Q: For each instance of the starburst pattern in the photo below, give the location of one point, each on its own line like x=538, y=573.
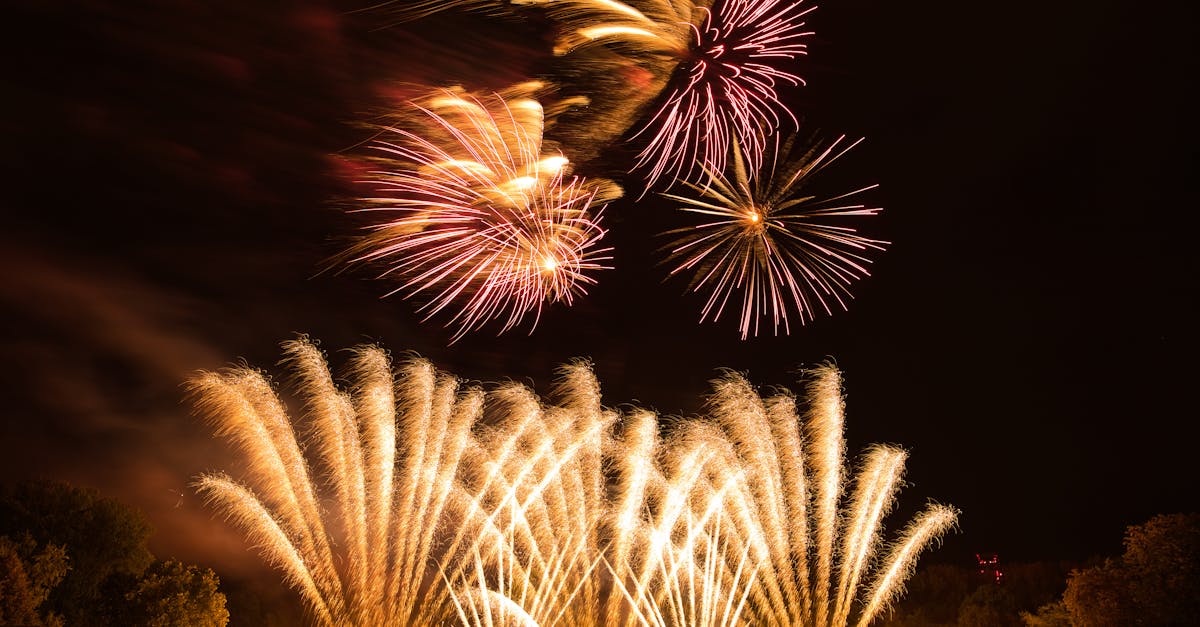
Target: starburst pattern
x=411, y=500
x=479, y=217
x=725, y=89
x=767, y=245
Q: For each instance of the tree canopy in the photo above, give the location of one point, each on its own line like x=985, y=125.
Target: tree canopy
x=27, y=575
x=1155, y=582
x=172, y=594
x=69, y=555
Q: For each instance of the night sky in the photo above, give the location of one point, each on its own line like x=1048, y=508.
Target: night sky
x=171, y=184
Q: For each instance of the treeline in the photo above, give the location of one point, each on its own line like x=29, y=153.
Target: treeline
x=69, y=556
x=1156, y=583
x=949, y=595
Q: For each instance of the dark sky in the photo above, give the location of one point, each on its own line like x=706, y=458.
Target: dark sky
x=1029, y=336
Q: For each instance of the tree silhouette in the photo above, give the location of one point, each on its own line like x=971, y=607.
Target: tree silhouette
x=93, y=567
x=27, y=575
x=1155, y=582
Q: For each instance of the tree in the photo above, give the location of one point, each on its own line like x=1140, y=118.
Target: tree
x=1156, y=581
x=1053, y=614
x=991, y=605
x=1162, y=558
x=938, y=591
x=112, y=576
x=1099, y=597
x=1036, y=584
x=932, y=597
x=26, y=578
x=172, y=594
x=102, y=536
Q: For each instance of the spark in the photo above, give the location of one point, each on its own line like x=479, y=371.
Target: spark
x=410, y=499
x=479, y=219
x=768, y=243
x=728, y=59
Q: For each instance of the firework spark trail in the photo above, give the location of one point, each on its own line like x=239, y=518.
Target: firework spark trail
x=926, y=529
x=480, y=218
x=534, y=495
x=772, y=490
x=245, y=510
x=726, y=90
x=785, y=433
x=529, y=495
x=709, y=571
x=529, y=501
x=633, y=455
x=424, y=410
x=826, y=423
x=769, y=243
x=873, y=497
x=638, y=27
x=246, y=411
x=743, y=416
x=294, y=534
x=652, y=587
x=334, y=434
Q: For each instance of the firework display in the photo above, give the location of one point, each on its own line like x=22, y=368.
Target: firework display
x=413, y=500
x=767, y=242
x=491, y=225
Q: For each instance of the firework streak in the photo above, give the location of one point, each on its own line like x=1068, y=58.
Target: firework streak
x=411, y=500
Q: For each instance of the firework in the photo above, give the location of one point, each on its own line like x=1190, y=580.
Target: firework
x=648, y=27
x=422, y=503
x=638, y=27
x=748, y=527
x=725, y=89
x=622, y=55
x=768, y=244
x=478, y=216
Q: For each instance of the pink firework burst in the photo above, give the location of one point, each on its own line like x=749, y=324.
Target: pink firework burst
x=480, y=221
x=768, y=243
x=726, y=89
